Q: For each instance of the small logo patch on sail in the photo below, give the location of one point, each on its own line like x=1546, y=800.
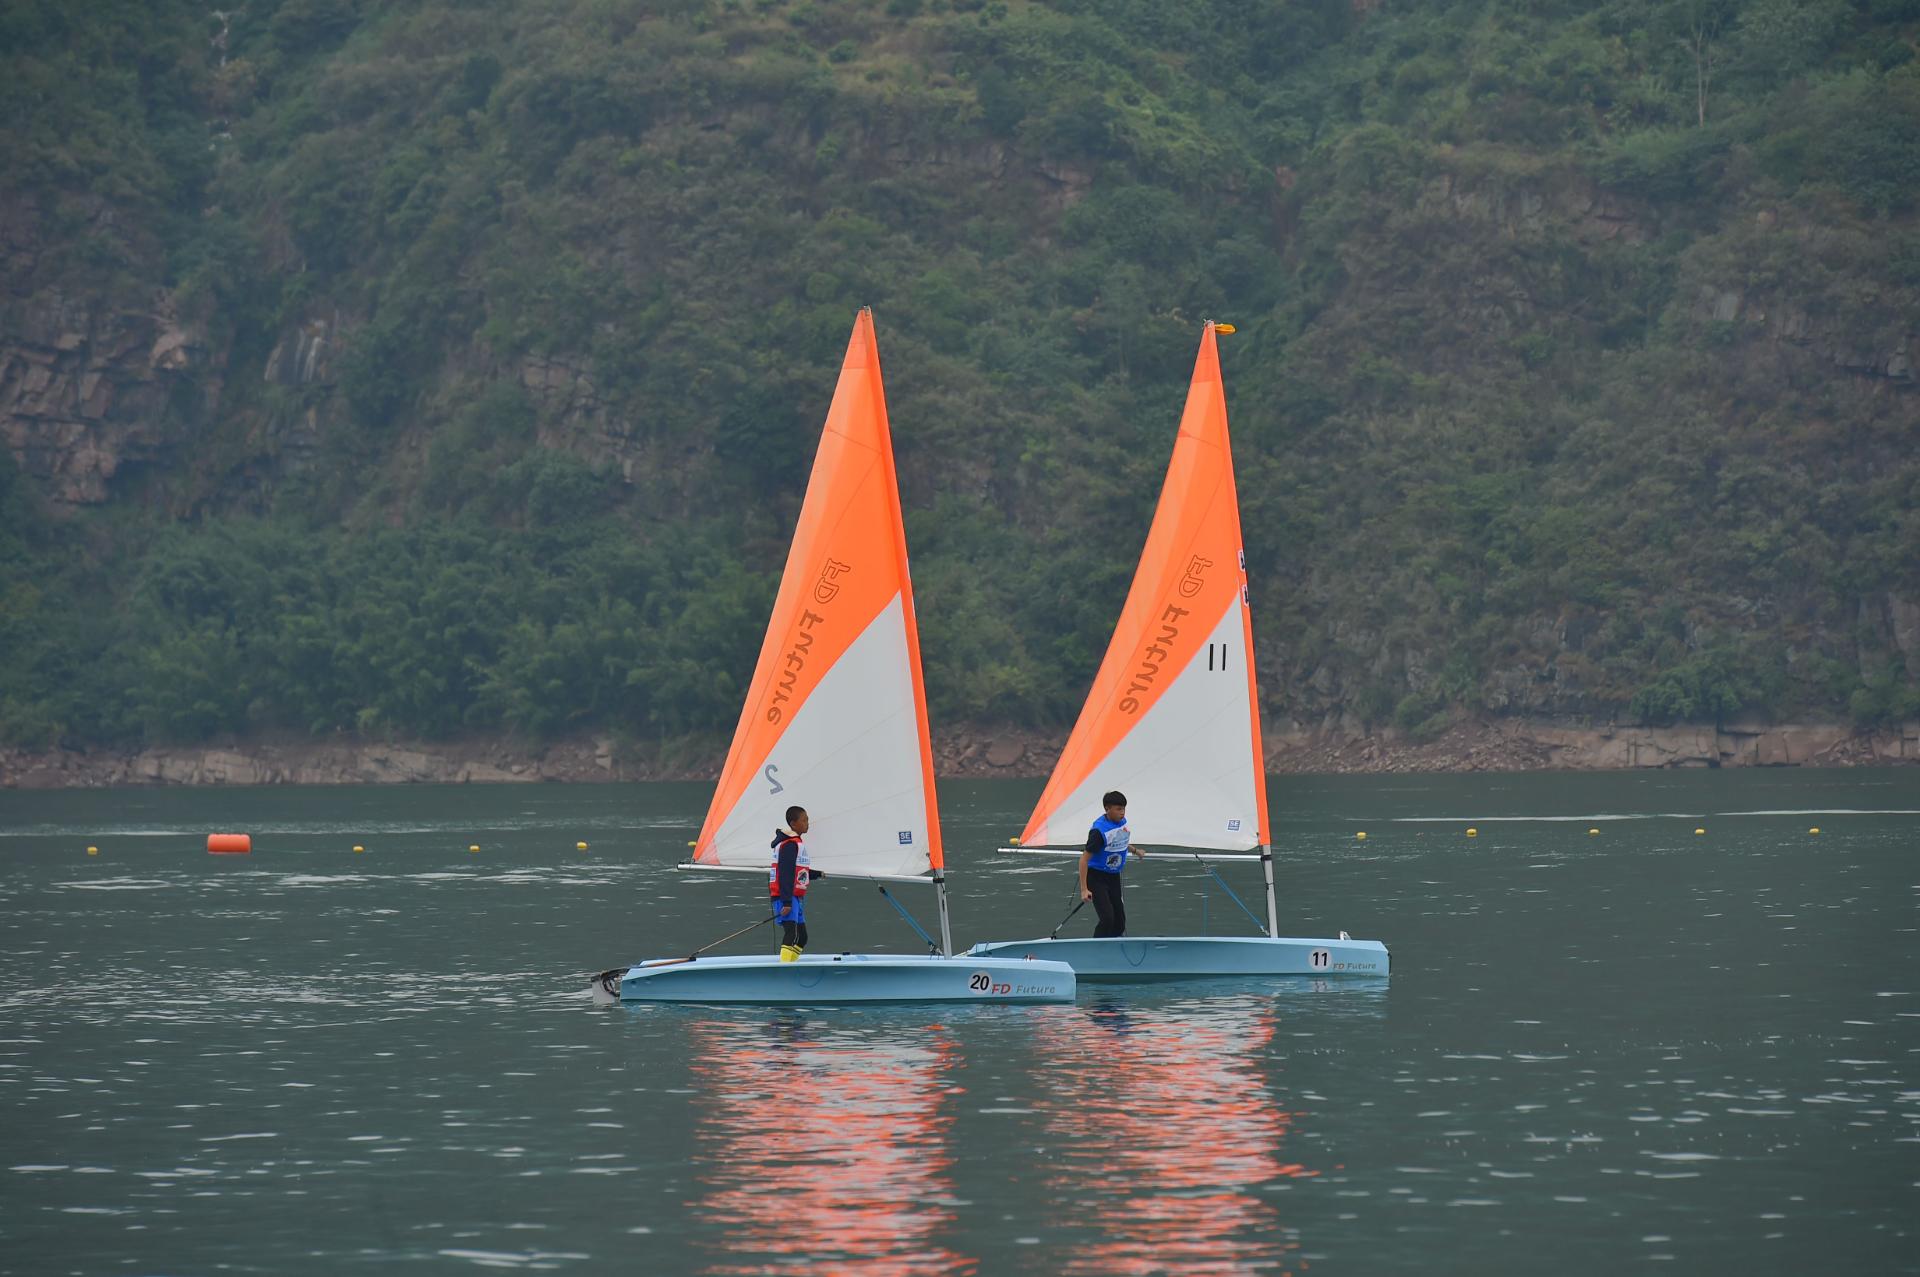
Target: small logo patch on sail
x=906, y=837
x=824, y=589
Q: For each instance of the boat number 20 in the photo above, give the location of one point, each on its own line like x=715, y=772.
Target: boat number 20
x=1320, y=959
x=981, y=982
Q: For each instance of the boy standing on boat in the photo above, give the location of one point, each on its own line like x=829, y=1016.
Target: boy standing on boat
x=787, y=880
x=1108, y=844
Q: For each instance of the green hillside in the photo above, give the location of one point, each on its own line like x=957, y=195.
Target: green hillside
x=463, y=361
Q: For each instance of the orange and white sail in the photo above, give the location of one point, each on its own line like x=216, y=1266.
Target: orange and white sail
x=835, y=719
x=1173, y=720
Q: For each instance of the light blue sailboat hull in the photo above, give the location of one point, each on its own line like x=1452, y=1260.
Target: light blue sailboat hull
x=1131, y=959
x=826, y=979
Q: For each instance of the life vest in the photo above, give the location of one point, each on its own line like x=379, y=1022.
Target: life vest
x=800, y=874
x=1114, y=859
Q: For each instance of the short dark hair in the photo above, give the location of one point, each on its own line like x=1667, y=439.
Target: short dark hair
x=1114, y=798
x=793, y=812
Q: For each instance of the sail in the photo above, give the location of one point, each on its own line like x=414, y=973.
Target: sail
x=835, y=718
x=1172, y=720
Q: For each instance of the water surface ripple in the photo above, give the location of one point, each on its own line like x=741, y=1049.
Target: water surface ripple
x=1642, y=1046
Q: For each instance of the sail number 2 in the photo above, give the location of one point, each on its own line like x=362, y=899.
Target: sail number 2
x=778, y=788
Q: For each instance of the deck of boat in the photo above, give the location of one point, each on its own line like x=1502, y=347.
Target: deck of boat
x=1141, y=958
x=824, y=979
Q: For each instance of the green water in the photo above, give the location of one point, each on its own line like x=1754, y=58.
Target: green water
x=1638, y=1049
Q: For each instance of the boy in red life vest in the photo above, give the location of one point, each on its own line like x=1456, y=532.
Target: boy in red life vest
x=787, y=880
x=1108, y=843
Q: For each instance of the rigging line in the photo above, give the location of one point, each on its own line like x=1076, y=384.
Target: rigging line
x=1230, y=891
x=932, y=946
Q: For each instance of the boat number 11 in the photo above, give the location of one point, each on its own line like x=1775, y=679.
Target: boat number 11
x=1320, y=959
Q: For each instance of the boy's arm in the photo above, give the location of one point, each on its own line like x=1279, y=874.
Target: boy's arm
x=784, y=870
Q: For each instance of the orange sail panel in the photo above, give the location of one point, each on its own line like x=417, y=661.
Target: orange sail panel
x=1172, y=720
x=835, y=718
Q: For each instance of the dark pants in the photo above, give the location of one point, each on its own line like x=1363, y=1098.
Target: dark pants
x=793, y=926
x=1106, y=902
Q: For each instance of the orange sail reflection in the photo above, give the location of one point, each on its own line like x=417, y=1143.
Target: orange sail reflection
x=1166, y=1131
x=824, y=1148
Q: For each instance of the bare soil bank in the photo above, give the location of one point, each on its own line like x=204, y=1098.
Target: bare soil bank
x=968, y=750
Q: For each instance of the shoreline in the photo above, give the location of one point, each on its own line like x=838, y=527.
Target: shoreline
x=965, y=751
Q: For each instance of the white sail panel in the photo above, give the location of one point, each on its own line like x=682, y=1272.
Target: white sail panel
x=1187, y=767
x=851, y=757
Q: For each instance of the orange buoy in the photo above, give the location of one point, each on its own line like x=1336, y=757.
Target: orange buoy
x=229, y=844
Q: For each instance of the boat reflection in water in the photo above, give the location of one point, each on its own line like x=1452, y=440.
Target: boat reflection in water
x=823, y=1148
x=1165, y=1133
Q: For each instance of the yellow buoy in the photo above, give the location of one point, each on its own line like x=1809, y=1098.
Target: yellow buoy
x=1699, y=831
x=358, y=847
x=1592, y=832
x=1362, y=835
x=1225, y=328
x=1472, y=832
x=475, y=847
x=579, y=846
x=93, y=851
x=1814, y=830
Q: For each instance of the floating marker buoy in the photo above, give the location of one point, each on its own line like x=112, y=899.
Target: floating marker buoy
x=1699, y=831
x=229, y=844
x=1814, y=830
x=1362, y=835
x=1472, y=832
x=579, y=846
x=1225, y=328
x=93, y=851
x=1592, y=832
x=358, y=847
x=475, y=847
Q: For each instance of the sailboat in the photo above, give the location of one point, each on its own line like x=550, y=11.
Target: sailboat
x=1173, y=721
x=835, y=721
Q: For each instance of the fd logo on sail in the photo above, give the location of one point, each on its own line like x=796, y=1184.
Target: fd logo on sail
x=1190, y=583
x=824, y=590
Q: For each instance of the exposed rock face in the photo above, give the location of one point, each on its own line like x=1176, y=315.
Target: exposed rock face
x=84, y=391
x=328, y=763
x=303, y=355
x=1534, y=745
x=1531, y=204
x=1495, y=745
x=86, y=380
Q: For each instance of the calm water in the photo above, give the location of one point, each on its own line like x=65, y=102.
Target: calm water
x=1597, y=1052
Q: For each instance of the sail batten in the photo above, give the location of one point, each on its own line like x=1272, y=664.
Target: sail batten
x=1172, y=719
x=834, y=719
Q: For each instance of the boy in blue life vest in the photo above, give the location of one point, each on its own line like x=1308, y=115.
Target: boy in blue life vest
x=1100, y=865
x=787, y=880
